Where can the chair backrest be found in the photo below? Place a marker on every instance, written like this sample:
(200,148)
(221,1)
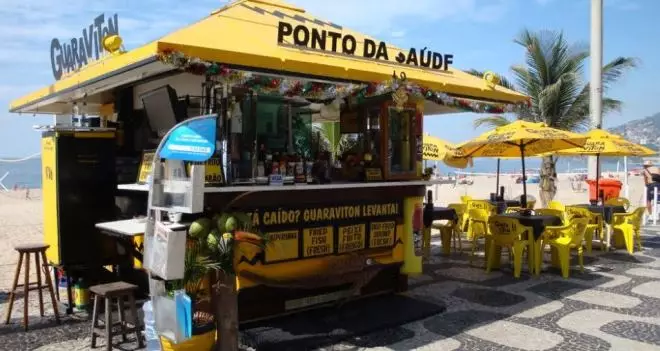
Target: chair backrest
(550,212)
(506,229)
(556,205)
(478,215)
(465,199)
(581,212)
(638,217)
(618,201)
(577,228)
(482,205)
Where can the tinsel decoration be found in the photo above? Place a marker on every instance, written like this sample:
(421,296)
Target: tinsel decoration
(317,91)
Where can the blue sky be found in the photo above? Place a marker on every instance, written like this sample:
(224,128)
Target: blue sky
(478,32)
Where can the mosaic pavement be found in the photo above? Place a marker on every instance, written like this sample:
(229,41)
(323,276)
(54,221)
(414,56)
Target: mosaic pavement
(613,305)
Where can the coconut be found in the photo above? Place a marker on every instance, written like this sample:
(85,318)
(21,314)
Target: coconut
(200,228)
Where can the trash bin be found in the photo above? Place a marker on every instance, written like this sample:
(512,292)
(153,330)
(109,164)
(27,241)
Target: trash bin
(610,188)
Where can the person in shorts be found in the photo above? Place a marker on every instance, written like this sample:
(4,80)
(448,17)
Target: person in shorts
(652,182)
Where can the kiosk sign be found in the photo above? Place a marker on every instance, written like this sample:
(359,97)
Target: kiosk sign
(69,55)
(191,140)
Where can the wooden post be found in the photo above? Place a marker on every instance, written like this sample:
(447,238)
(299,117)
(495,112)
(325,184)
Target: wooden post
(226,312)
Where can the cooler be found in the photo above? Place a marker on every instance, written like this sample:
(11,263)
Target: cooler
(610,188)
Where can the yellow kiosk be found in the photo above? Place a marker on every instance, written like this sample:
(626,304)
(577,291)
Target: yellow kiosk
(268,69)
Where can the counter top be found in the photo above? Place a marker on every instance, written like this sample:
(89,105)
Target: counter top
(294,187)
(130,227)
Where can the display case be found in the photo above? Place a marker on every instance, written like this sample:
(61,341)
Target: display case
(400,140)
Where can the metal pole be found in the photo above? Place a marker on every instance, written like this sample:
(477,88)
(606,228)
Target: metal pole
(596,83)
(625,177)
(497,179)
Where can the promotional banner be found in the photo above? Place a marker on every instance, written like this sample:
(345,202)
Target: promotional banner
(191,141)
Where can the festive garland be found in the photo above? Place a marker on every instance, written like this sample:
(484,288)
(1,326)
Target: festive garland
(316,91)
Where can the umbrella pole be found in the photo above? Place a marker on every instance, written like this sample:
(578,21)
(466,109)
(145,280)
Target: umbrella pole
(597,177)
(523,201)
(497,179)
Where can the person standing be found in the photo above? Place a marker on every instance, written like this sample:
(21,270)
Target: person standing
(652,182)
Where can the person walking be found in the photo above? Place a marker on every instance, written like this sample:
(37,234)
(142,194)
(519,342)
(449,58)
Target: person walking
(652,182)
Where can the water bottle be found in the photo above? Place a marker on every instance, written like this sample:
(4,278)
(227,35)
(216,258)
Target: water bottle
(150,333)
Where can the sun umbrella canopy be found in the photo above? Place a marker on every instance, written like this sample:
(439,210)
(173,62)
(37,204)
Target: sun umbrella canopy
(520,138)
(603,143)
(436,149)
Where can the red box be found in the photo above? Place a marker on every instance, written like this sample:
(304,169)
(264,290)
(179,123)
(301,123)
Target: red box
(610,188)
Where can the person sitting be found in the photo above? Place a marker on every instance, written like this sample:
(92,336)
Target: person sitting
(652,182)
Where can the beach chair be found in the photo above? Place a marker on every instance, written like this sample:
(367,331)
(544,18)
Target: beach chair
(619,201)
(465,199)
(551,212)
(556,205)
(595,226)
(509,233)
(626,229)
(477,227)
(562,240)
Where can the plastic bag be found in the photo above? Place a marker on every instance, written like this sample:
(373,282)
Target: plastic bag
(165,251)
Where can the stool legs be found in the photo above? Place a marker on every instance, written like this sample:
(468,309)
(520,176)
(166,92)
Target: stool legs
(49,283)
(12,293)
(108,323)
(136,320)
(95,318)
(122,317)
(26,291)
(41,295)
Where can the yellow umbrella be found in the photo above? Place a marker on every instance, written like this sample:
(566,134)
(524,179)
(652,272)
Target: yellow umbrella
(603,143)
(436,149)
(520,138)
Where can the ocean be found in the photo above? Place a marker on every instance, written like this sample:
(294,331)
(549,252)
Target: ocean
(28,173)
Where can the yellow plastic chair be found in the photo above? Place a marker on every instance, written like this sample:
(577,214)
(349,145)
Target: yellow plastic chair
(477,227)
(618,201)
(513,209)
(482,205)
(556,205)
(595,226)
(626,228)
(450,231)
(562,240)
(509,233)
(465,199)
(551,212)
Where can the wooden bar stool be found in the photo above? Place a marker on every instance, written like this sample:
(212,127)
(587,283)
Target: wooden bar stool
(107,292)
(24,251)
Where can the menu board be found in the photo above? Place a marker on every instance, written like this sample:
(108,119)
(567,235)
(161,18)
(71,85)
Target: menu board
(145,166)
(351,238)
(318,241)
(381,234)
(282,246)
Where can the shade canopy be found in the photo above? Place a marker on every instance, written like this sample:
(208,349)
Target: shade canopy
(603,143)
(436,149)
(248,34)
(518,138)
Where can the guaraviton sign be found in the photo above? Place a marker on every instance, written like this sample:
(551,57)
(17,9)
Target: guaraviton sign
(346,44)
(69,55)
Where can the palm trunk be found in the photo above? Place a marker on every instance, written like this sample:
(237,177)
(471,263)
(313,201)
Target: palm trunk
(548,185)
(226,312)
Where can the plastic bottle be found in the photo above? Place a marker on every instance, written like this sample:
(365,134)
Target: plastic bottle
(150,333)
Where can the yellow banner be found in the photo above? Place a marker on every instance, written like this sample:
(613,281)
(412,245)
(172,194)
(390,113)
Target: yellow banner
(318,241)
(351,238)
(212,171)
(381,234)
(146,166)
(282,246)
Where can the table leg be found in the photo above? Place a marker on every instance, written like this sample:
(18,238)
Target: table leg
(608,236)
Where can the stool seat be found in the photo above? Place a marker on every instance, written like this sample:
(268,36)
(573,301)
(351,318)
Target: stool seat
(113,289)
(31,247)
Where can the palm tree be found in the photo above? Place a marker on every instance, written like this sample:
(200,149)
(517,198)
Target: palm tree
(552,78)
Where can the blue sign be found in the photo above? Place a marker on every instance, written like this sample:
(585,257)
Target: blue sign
(191,141)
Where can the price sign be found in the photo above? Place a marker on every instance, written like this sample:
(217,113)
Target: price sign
(351,238)
(373,174)
(381,234)
(145,166)
(212,171)
(282,246)
(317,241)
